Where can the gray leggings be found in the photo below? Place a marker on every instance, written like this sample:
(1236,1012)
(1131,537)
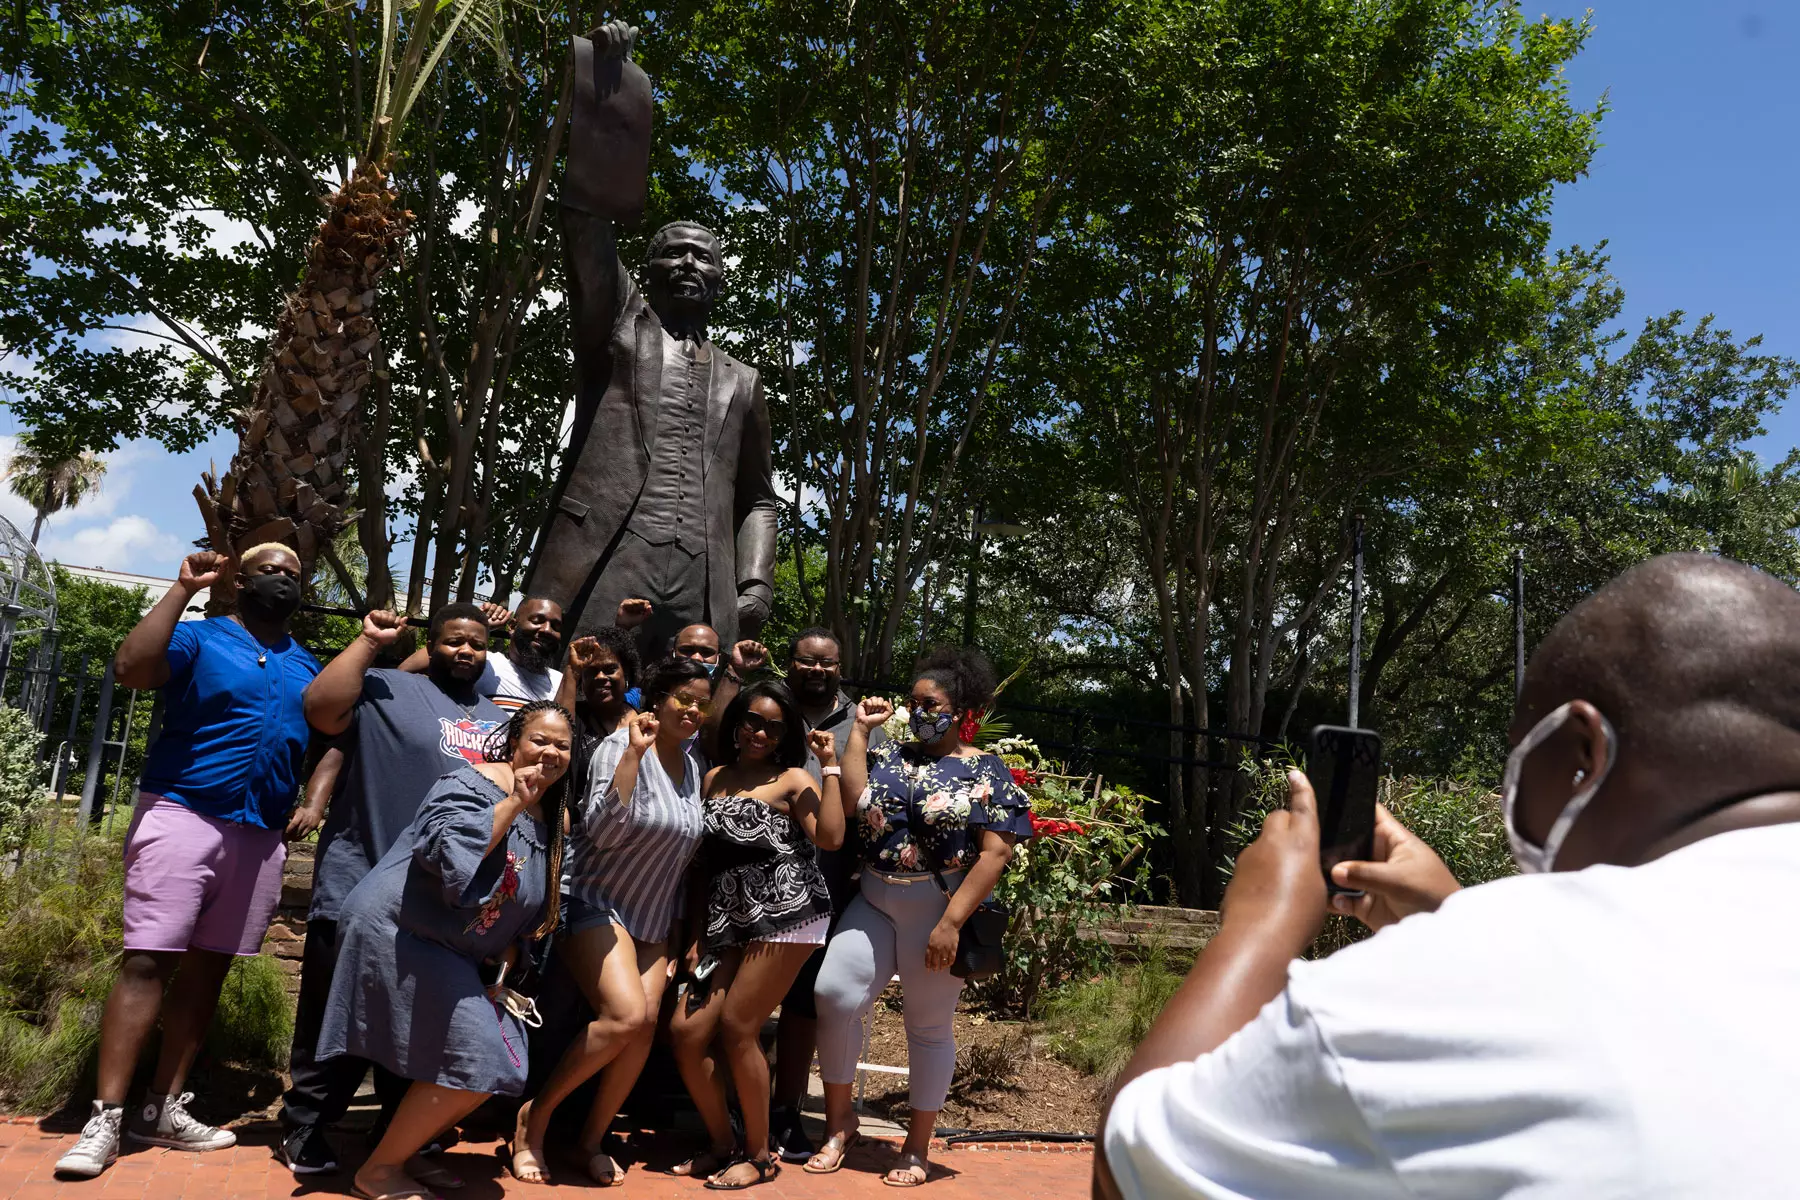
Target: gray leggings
(883,930)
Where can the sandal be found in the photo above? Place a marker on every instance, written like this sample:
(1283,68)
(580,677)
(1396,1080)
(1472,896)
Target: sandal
(436,1177)
(705,1164)
(613,1177)
(838,1144)
(766,1169)
(907,1163)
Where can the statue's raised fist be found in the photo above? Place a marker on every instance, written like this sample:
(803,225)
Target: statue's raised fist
(614,39)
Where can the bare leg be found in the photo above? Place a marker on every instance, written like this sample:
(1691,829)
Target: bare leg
(604,962)
(622,1073)
(193,997)
(691,1033)
(796,1037)
(767,972)
(132,1008)
(427,1110)
(840,1126)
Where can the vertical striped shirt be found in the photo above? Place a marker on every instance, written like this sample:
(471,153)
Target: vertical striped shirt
(631,859)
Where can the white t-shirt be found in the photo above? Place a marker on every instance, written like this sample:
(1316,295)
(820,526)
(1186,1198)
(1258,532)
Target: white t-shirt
(510,688)
(1603,1033)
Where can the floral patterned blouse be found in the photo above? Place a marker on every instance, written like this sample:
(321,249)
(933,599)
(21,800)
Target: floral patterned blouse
(922,811)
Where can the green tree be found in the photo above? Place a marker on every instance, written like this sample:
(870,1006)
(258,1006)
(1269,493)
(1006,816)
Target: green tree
(1309,219)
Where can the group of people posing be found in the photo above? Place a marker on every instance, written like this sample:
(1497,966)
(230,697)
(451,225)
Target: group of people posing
(684,845)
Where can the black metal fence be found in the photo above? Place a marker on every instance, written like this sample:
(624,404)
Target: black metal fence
(92,733)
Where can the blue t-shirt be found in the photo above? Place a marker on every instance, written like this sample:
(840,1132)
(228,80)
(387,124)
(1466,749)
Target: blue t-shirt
(233,734)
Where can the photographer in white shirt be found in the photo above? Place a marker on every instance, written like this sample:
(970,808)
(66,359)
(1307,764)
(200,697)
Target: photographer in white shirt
(1614,1022)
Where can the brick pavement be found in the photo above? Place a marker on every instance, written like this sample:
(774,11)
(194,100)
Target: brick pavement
(27,1154)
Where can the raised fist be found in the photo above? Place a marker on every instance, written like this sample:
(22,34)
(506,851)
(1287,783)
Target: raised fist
(642,733)
(583,654)
(382,627)
(632,613)
(823,744)
(200,570)
(496,615)
(872,712)
(749,656)
(531,782)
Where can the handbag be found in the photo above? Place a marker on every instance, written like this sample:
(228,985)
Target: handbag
(981,943)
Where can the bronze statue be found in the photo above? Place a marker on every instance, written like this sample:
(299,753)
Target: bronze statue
(665,490)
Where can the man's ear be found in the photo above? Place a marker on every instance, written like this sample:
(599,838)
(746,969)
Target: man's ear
(1592,746)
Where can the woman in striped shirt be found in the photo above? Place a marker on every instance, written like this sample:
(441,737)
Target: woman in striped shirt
(628,857)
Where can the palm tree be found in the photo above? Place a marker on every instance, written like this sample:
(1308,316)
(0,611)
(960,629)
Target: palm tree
(287,481)
(51,481)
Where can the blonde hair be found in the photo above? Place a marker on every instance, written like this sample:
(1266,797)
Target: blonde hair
(257,549)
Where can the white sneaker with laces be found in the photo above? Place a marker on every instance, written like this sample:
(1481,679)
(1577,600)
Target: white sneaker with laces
(97,1147)
(166,1122)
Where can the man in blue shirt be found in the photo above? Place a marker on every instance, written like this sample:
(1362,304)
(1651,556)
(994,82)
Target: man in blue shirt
(204,854)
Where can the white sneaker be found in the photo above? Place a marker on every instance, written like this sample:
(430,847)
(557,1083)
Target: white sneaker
(166,1122)
(98,1146)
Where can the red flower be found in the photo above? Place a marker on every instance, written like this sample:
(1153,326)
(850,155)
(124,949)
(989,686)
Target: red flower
(1024,778)
(971,726)
(1054,826)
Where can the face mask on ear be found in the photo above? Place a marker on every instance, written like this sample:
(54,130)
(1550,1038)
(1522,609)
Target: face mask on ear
(929,727)
(1537,860)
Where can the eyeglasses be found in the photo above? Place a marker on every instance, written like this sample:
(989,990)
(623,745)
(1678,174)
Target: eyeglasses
(686,705)
(775,728)
(821,664)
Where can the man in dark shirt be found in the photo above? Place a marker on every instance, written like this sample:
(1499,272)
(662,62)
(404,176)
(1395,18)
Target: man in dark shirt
(399,733)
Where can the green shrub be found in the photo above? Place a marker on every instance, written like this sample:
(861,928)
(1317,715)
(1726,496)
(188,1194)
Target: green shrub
(60,935)
(1096,1024)
(21,787)
(1087,857)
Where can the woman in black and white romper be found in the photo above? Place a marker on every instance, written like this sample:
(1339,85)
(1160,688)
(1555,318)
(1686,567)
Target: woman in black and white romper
(767,909)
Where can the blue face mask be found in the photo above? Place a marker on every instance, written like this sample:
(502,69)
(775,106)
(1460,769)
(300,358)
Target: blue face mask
(929,727)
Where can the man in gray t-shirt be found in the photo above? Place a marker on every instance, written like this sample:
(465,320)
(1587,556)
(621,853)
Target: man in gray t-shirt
(398,733)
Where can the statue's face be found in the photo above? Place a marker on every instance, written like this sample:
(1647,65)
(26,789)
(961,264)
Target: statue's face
(685,270)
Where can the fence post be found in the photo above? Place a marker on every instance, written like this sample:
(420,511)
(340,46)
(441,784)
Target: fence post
(49,713)
(1518,599)
(1356,607)
(96,755)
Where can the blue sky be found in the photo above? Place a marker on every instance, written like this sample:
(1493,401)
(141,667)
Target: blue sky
(1694,190)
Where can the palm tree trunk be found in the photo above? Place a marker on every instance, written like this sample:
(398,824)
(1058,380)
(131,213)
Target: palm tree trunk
(38,523)
(287,482)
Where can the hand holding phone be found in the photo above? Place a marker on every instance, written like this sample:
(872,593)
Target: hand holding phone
(1345,768)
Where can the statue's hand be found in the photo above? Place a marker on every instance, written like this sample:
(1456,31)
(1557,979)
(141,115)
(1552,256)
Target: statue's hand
(614,39)
(752,612)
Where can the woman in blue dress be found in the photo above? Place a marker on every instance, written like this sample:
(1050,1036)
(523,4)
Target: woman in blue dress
(429,935)
(937,822)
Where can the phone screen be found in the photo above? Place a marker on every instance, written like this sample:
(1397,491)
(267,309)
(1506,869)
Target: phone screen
(1344,766)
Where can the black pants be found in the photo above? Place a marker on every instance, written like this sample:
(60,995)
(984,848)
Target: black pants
(322,1090)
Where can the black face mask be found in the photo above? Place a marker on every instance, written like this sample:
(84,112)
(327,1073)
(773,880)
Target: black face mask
(272,598)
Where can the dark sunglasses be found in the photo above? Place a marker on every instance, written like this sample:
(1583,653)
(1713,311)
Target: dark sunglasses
(757,723)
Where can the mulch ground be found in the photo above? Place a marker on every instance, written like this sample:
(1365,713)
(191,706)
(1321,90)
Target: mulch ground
(1005,1079)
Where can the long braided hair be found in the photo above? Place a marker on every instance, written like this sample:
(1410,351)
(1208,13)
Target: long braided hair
(555,801)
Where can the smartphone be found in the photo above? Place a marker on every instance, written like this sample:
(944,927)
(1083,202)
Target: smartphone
(1345,767)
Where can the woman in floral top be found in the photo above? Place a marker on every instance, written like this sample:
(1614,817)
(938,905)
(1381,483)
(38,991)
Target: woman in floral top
(463,891)
(935,804)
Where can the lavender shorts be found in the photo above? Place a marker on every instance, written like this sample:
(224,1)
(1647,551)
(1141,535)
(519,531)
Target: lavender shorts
(196,882)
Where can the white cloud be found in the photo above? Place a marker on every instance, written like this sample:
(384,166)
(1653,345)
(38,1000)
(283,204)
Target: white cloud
(131,543)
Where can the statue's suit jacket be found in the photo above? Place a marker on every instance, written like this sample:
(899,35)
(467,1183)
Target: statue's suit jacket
(618,367)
